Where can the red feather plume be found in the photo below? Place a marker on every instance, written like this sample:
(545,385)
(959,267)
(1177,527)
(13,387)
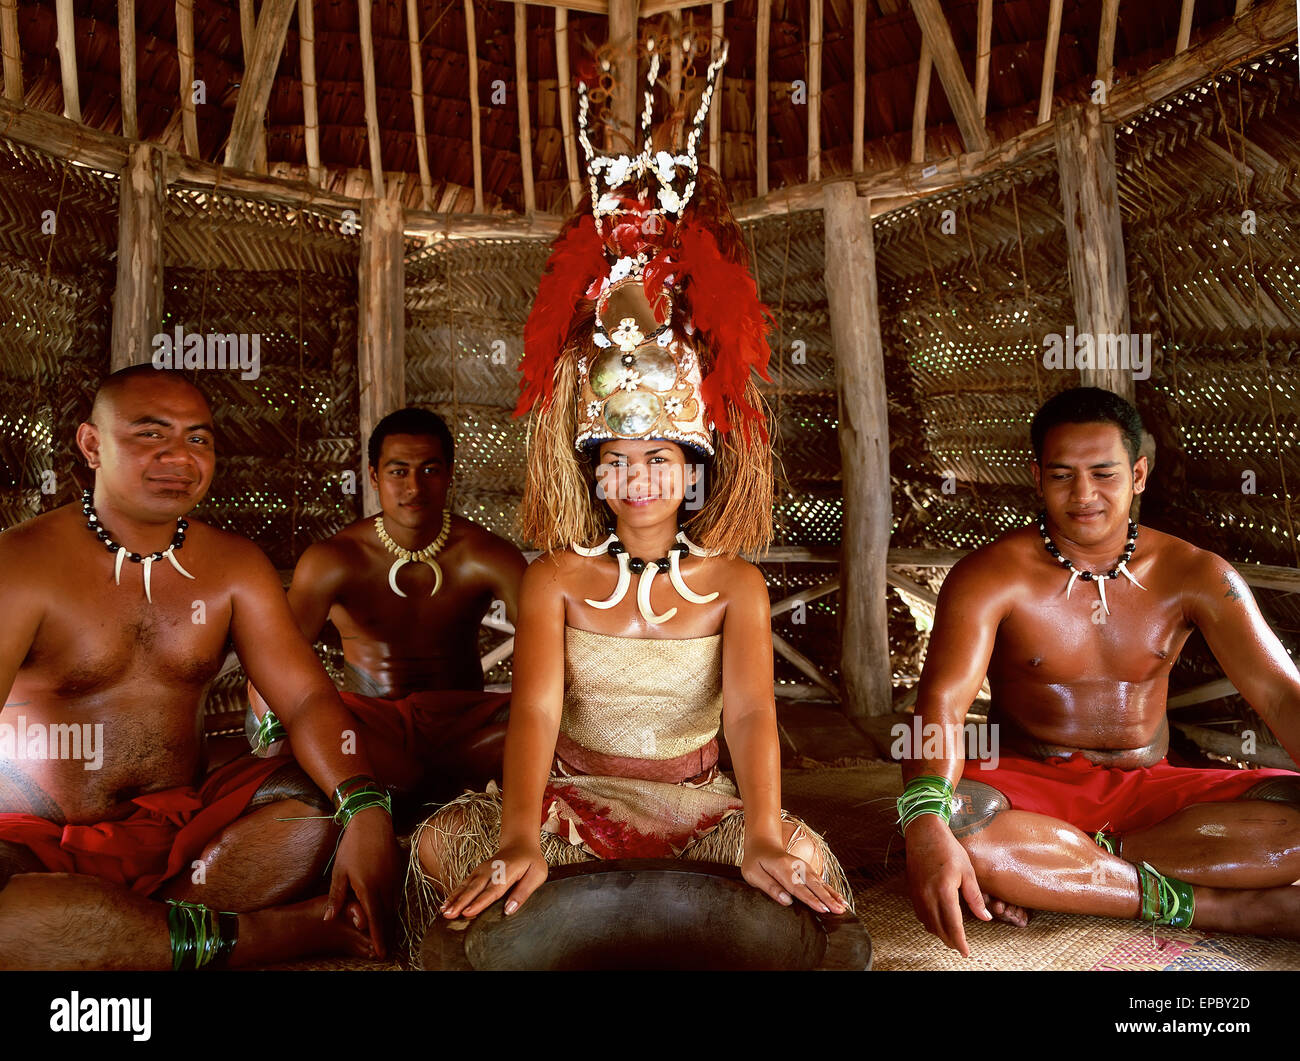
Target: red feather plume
(724,307)
(577,260)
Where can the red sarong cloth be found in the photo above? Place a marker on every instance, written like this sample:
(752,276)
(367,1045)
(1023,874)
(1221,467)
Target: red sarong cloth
(162,837)
(1094,797)
(428,720)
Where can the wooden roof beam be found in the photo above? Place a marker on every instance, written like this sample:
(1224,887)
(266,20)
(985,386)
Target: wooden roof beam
(185,60)
(13,53)
(126,50)
(983,51)
(859,84)
(715,112)
(1050,47)
(934,28)
(1106,42)
(1185,27)
(255,90)
(373,141)
(521,98)
(921,102)
(475,118)
(67,30)
(591,7)
(563,78)
(763,33)
(815,90)
(417,103)
(310,114)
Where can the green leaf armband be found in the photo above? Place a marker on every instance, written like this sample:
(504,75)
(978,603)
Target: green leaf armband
(269,730)
(200,936)
(357,794)
(925,795)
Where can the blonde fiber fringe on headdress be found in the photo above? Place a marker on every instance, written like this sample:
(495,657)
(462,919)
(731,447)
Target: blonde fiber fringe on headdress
(558,507)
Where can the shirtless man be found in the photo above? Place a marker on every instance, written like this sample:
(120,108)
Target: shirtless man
(91,846)
(411,662)
(1079,684)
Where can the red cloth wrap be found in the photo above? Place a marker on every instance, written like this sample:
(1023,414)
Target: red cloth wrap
(427,719)
(166,832)
(1094,797)
(689,768)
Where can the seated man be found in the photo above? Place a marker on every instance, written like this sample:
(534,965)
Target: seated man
(1078,622)
(407,590)
(117,613)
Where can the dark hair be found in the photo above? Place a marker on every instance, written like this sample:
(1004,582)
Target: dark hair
(1088,405)
(410,421)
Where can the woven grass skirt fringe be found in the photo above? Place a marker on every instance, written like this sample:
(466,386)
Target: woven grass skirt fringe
(466,833)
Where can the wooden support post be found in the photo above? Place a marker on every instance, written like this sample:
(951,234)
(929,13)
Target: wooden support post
(764,32)
(381,322)
(859,84)
(373,140)
(934,28)
(1106,43)
(864,448)
(521,95)
(13,54)
(185,60)
(138,297)
(310,115)
(1242,7)
(814,91)
(1047,86)
(475,118)
(126,54)
(566,105)
(620,134)
(1184,27)
(920,102)
(715,112)
(67,38)
(247,129)
(1085,159)
(983,53)
(417,104)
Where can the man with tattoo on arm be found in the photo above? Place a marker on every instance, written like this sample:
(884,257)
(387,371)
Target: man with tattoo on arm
(1077,622)
(140,857)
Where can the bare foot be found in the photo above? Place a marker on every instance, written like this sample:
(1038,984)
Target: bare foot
(1012,915)
(285,933)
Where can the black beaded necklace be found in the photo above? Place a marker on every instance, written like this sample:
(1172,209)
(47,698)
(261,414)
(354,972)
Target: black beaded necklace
(92,522)
(669,564)
(1120,568)
(122,553)
(636,565)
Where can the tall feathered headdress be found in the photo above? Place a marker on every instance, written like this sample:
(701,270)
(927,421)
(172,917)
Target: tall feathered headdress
(647,324)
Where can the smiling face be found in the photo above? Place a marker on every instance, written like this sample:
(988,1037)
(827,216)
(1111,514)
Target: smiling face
(151,443)
(644,482)
(412,480)
(1086,481)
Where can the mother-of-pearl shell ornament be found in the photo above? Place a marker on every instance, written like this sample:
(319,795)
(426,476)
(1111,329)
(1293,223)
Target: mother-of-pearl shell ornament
(419,556)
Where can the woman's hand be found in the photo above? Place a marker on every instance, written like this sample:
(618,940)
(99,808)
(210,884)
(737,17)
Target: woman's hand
(518,869)
(772,869)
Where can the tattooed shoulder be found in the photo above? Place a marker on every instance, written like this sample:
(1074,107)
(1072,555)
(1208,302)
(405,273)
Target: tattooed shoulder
(1233,582)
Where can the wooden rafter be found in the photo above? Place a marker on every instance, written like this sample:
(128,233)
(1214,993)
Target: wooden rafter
(1106,42)
(247,35)
(566,105)
(715,112)
(185,60)
(983,52)
(859,83)
(763,33)
(417,102)
(373,139)
(1048,83)
(591,7)
(921,102)
(310,114)
(67,30)
(13,55)
(943,50)
(521,98)
(126,55)
(1185,26)
(475,118)
(620,130)
(814,90)
(675,72)
(246,129)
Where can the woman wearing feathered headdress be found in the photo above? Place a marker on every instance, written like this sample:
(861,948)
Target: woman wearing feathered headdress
(640,625)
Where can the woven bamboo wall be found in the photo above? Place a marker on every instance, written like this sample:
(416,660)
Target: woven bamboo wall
(58,239)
